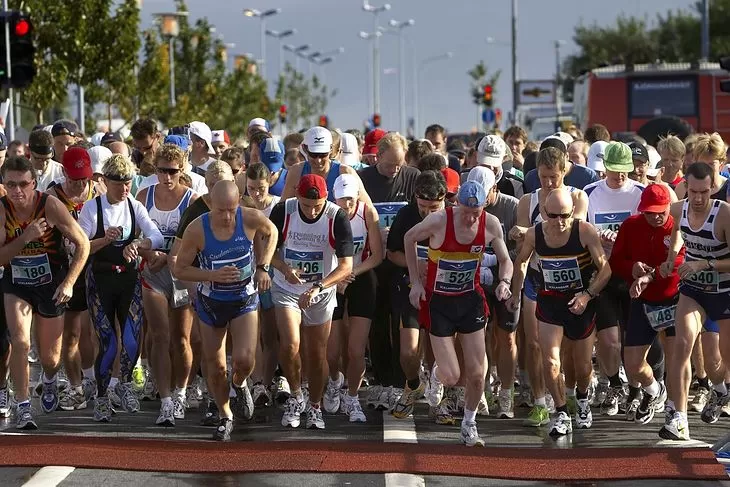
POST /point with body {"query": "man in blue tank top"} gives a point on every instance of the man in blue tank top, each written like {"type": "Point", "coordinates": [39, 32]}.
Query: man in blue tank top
{"type": "Point", "coordinates": [230, 274]}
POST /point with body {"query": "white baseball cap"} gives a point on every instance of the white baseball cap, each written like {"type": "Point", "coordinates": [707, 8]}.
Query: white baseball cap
{"type": "Point", "coordinates": [99, 154]}
{"type": "Point", "coordinates": [595, 156]}
{"type": "Point", "coordinates": [259, 122]}
{"type": "Point", "coordinates": [491, 151]}
{"type": "Point", "coordinates": [350, 150]}
{"type": "Point", "coordinates": [482, 175]}
{"type": "Point", "coordinates": [199, 129]}
{"type": "Point", "coordinates": [565, 137]}
{"type": "Point", "coordinates": [318, 140]}
{"type": "Point", "coordinates": [346, 186]}
{"type": "Point", "coordinates": [654, 159]}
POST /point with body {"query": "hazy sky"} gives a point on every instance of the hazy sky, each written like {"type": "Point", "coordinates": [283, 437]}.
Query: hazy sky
{"type": "Point", "coordinates": [459, 26]}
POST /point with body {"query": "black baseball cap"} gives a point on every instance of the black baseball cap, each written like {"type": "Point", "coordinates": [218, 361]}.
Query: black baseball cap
{"type": "Point", "coordinates": [639, 152]}
{"type": "Point", "coordinates": [554, 141]}
{"type": "Point", "coordinates": [64, 127]}
{"type": "Point", "coordinates": [110, 137]}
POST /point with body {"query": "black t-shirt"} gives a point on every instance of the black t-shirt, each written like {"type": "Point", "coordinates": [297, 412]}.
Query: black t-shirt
{"type": "Point", "coordinates": [382, 189]}
{"type": "Point", "coordinates": [341, 228]}
{"type": "Point", "coordinates": [199, 207]}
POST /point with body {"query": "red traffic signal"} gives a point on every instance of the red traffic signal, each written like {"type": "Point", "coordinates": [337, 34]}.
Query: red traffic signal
{"type": "Point", "coordinates": [282, 109]}
{"type": "Point", "coordinates": [324, 121]}
{"type": "Point", "coordinates": [487, 92]}
{"type": "Point", "coordinates": [22, 27]}
{"type": "Point", "coordinates": [376, 120]}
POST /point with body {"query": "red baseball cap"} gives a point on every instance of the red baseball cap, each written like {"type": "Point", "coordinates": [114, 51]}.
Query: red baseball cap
{"type": "Point", "coordinates": [654, 199]}
{"type": "Point", "coordinates": [371, 141]}
{"type": "Point", "coordinates": [77, 163]}
{"type": "Point", "coordinates": [312, 186]}
{"type": "Point", "coordinates": [453, 181]}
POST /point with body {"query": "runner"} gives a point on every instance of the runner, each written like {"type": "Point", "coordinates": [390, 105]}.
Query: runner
{"type": "Point", "coordinates": [635, 258]}
{"type": "Point", "coordinates": [356, 295]}
{"type": "Point", "coordinates": [38, 279]}
{"type": "Point", "coordinates": [165, 300]}
{"type": "Point", "coordinates": [113, 223]}
{"type": "Point", "coordinates": [452, 301]}
{"type": "Point", "coordinates": [569, 251]}
{"type": "Point", "coordinates": [224, 241]}
{"type": "Point", "coordinates": [672, 151]}
{"type": "Point", "coordinates": [78, 348]}
{"type": "Point", "coordinates": [315, 253]}
{"type": "Point", "coordinates": [702, 225]}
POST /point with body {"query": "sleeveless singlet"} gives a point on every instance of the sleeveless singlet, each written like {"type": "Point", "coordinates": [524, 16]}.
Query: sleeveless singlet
{"type": "Point", "coordinates": [73, 208]}
{"type": "Point", "coordinates": [702, 244]}
{"type": "Point", "coordinates": [236, 251]}
{"type": "Point", "coordinates": [111, 257]}
{"type": "Point", "coordinates": [536, 217]}
{"type": "Point", "coordinates": [278, 187]}
{"type": "Point", "coordinates": [567, 269]}
{"type": "Point", "coordinates": [39, 260]}
{"type": "Point", "coordinates": [332, 175]}
{"type": "Point", "coordinates": [274, 200]}
{"type": "Point", "coordinates": [168, 220]}
{"type": "Point", "coordinates": [360, 235]}
{"type": "Point", "coordinates": [453, 268]}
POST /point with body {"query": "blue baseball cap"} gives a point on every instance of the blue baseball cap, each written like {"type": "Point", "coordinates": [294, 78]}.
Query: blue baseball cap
{"type": "Point", "coordinates": [472, 194]}
{"type": "Point", "coordinates": [272, 154]}
{"type": "Point", "coordinates": [179, 140]}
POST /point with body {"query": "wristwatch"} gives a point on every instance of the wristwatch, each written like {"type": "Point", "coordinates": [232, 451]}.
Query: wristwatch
{"type": "Point", "coordinates": [506, 281]}
{"type": "Point", "coordinates": [263, 267]}
{"type": "Point", "coordinates": [711, 264]}
{"type": "Point", "coordinates": [318, 285]}
{"type": "Point", "coordinates": [589, 293]}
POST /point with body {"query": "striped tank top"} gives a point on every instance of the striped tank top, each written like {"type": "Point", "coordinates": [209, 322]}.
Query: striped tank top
{"type": "Point", "coordinates": [702, 244]}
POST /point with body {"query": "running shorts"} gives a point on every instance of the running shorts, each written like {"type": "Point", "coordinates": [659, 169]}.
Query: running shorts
{"type": "Point", "coordinates": [40, 298]}
{"type": "Point", "coordinates": [612, 305]}
{"type": "Point", "coordinates": [218, 314]}
{"type": "Point", "coordinates": [716, 306]}
{"type": "Point", "coordinates": [319, 313]}
{"type": "Point", "coordinates": [359, 297]}
{"type": "Point", "coordinates": [163, 283]}
{"type": "Point", "coordinates": [445, 316]}
{"type": "Point", "coordinates": [553, 310]}
{"type": "Point", "coordinates": [639, 329]}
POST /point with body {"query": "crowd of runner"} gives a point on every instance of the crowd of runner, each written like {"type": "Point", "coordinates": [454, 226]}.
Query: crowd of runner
{"type": "Point", "coordinates": [325, 272]}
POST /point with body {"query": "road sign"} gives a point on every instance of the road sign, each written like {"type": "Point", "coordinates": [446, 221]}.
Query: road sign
{"type": "Point", "coordinates": [488, 115]}
{"type": "Point", "coordinates": [536, 92]}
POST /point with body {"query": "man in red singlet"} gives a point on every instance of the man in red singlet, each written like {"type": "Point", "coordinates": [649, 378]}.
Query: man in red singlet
{"type": "Point", "coordinates": [453, 301]}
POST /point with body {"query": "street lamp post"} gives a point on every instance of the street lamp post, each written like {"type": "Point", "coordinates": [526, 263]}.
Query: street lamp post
{"type": "Point", "coordinates": [317, 57]}
{"type": "Point", "coordinates": [249, 12]}
{"type": "Point", "coordinates": [418, 69]}
{"type": "Point", "coordinates": [297, 52]}
{"type": "Point", "coordinates": [376, 50]}
{"type": "Point", "coordinates": [397, 28]}
{"type": "Point", "coordinates": [321, 64]}
{"type": "Point", "coordinates": [170, 28]}
{"type": "Point", "coordinates": [279, 35]}
{"type": "Point", "coordinates": [374, 75]}
{"type": "Point", "coordinates": [558, 85]}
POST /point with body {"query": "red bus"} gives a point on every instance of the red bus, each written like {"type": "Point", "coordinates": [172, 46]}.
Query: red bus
{"type": "Point", "coordinates": [625, 97]}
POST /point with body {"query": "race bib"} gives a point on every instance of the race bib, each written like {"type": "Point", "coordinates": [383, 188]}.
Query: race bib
{"type": "Point", "coordinates": [387, 212]}
{"type": "Point", "coordinates": [168, 240]}
{"type": "Point", "coordinates": [706, 281]}
{"type": "Point", "coordinates": [358, 244]}
{"type": "Point", "coordinates": [660, 317]}
{"type": "Point", "coordinates": [243, 264]}
{"type": "Point", "coordinates": [33, 270]}
{"type": "Point", "coordinates": [561, 273]}
{"type": "Point", "coordinates": [455, 276]}
{"type": "Point", "coordinates": [309, 264]}
{"type": "Point", "coordinates": [611, 221]}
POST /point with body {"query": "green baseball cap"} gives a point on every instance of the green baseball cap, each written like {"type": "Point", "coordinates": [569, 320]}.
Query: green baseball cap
{"type": "Point", "coordinates": [617, 158]}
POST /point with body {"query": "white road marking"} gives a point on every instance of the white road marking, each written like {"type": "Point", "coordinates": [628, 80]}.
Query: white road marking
{"type": "Point", "coordinates": [49, 477]}
{"type": "Point", "coordinates": [682, 444]}
{"type": "Point", "coordinates": [400, 431]}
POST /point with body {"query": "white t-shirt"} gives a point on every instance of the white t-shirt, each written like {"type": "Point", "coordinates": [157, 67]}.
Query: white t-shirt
{"type": "Point", "coordinates": [198, 183]}
{"type": "Point", "coordinates": [53, 172]}
{"type": "Point", "coordinates": [117, 215]}
{"type": "Point", "coordinates": [608, 208]}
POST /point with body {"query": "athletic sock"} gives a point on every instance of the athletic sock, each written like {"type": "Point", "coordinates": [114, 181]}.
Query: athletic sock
{"type": "Point", "coordinates": [653, 389]}
{"type": "Point", "coordinates": [540, 401]}
{"type": "Point", "coordinates": [581, 395]}
{"type": "Point", "coordinates": [469, 416]}
{"type": "Point", "coordinates": [89, 373]}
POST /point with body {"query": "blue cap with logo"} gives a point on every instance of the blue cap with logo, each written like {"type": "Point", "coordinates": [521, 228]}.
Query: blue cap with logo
{"type": "Point", "coordinates": [179, 140]}
{"type": "Point", "coordinates": [472, 194]}
{"type": "Point", "coordinates": [272, 154]}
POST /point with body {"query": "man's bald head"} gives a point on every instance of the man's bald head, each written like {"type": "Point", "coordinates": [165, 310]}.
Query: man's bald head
{"type": "Point", "coordinates": [119, 148]}
{"type": "Point", "coordinates": [559, 201]}
{"type": "Point", "coordinates": [224, 194]}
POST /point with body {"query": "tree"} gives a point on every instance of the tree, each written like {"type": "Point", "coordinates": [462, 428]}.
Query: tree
{"type": "Point", "coordinates": [480, 76]}
{"type": "Point", "coordinates": [306, 99]}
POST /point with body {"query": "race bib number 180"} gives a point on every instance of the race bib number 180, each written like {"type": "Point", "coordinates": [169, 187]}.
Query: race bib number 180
{"type": "Point", "coordinates": [34, 270]}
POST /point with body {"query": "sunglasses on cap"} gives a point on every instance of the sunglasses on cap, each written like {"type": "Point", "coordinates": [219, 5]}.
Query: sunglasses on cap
{"type": "Point", "coordinates": [170, 171]}
{"type": "Point", "coordinates": [564, 216]}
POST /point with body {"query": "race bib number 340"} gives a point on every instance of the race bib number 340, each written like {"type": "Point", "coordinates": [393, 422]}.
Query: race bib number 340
{"type": "Point", "coordinates": [34, 270]}
{"type": "Point", "coordinates": [706, 281]}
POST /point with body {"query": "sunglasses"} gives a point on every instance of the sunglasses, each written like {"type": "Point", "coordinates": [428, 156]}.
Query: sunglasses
{"type": "Point", "coordinates": [14, 185]}
{"type": "Point", "coordinates": [430, 197]}
{"type": "Point", "coordinates": [170, 171]}
{"type": "Point", "coordinates": [563, 216]}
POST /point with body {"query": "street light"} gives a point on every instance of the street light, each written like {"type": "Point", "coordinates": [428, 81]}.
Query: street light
{"type": "Point", "coordinates": [321, 64]}
{"type": "Point", "coordinates": [558, 86]}
{"type": "Point", "coordinates": [416, 76]}
{"type": "Point", "coordinates": [376, 50]}
{"type": "Point", "coordinates": [279, 35]}
{"type": "Point", "coordinates": [170, 28]}
{"type": "Point", "coordinates": [318, 55]}
{"type": "Point", "coordinates": [397, 29]}
{"type": "Point", "coordinates": [249, 12]}
{"type": "Point", "coordinates": [297, 51]}
{"type": "Point", "coordinates": [374, 74]}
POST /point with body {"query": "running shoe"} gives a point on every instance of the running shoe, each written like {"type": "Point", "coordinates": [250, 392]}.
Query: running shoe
{"type": "Point", "coordinates": [601, 391]}
{"type": "Point", "coordinates": [713, 409]}
{"type": "Point", "coordinates": [394, 396]}
{"type": "Point", "coordinates": [675, 428]}
{"type": "Point", "coordinates": [572, 403]}
{"type": "Point", "coordinates": [139, 379]}
{"type": "Point", "coordinates": [208, 412]}
{"type": "Point", "coordinates": [583, 416]}
{"type": "Point", "coordinates": [470, 435]}
{"type": "Point", "coordinates": [633, 403]}
{"type": "Point", "coordinates": [194, 392]}
{"type": "Point", "coordinates": [49, 397]}
{"type": "Point", "coordinates": [524, 397]}
{"type": "Point", "coordinates": [702, 397]}
{"type": "Point", "coordinates": [435, 389]}
{"type": "Point", "coordinates": [242, 403]}
{"type": "Point", "coordinates": [561, 425]}
{"type": "Point", "coordinates": [223, 431]}
{"type": "Point", "coordinates": [315, 419]}
{"type": "Point", "coordinates": [442, 414]}
{"type": "Point", "coordinates": [539, 416]}
{"type": "Point", "coordinates": [407, 401]}
{"type": "Point", "coordinates": [293, 410]}
{"type": "Point", "coordinates": [483, 406]}
{"type": "Point", "coordinates": [32, 354]}
{"type": "Point", "coordinates": [24, 417]}
{"type": "Point", "coordinates": [167, 414]}
{"type": "Point", "coordinates": [374, 393]}
{"type": "Point", "coordinates": [282, 391]}
{"type": "Point", "coordinates": [149, 393]}
{"type": "Point", "coordinates": [72, 400]}
{"type": "Point", "coordinates": [261, 395]}
{"type": "Point", "coordinates": [505, 404]}
{"type": "Point", "coordinates": [102, 410]}
{"type": "Point", "coordinates": [4, 401]}
{"type": "Point", "coordinates": [116, 401]}
{"type": "Point", "coordinates": [331, 399]}
{"type": "Point", "coordinates": [610, 405]}
{"type": "Point", "coordinates": [383, 402]}
{"type": "Point", "coordinates": [550, 403]}
{"type": "Point", "coordinates": [89, 387]}
{"type": "Point", "coordinates": [178, 407]}
{"type": "Point", "coordinates": [354, 410]}
{"type": "Point", "coordinates": [647, 409]}
{"type": "Point", "coordinates": [130, 403]}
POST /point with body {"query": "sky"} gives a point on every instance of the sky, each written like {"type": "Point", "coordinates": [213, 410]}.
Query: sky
{"type": "Point", "coordinates": [458, 26]}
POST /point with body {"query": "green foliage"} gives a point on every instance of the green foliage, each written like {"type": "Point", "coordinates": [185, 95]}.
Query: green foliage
{"type": "Point", "coordinates": [306, 99]}
{"type": "Point", "coordinates": [480, 76]}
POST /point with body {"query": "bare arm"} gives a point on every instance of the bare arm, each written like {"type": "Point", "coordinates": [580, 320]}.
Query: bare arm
{"type": "Point", "coordinates": [265, 237]}
{"type": "Point", "coordinates": [523, 258]}
{"type": "Point", "coordinates": [522, 222]}
{"type": "Point", "coordinates": [677, 241]}
{"type": "Point", "coordinates": [191, 243]}
{"type": "Point", "coordinates": [724, 220]}
{"type": "Point", "coordinates": [8, 251]}
{"type": "Point", "coordinates": [343, 269]}
{"type": "Point", "coordinates": [580, 205]}
{"type": "Point", "coordinates": [375, 242]}
{"type": "Point", "coordinates": [60, 218]}
{"type": "Point", "coordinates": [422, 231]}
{"type": "Point", "coordinates": [292, 179]}
{"type": "Point", "coordinates": [590, 238]}
{"type": "Point", "coordinates": [500, 249]}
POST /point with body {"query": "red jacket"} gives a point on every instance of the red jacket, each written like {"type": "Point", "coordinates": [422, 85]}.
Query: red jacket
{"type": "Point", "coordinates": [637, 241]}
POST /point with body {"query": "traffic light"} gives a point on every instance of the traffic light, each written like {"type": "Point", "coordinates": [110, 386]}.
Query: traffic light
{"type": "Point", "coordinates": [488, 98]}
{"type": "Point", "coordinates": [725, 84]}
{"type": "Point", "coordinates": [282, 114]}
{"type": "Point", "coordinates": [22, 51]}
{"type": "Point", "coordinates": [324, 121]}
{"type": "Point", "coordinates": [498, 116]}
{"type": "Point", "coordinates": [376, 120]}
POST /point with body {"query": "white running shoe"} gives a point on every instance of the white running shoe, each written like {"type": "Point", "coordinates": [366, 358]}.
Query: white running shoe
{"type": "Point", "coordinates": [293, 410]}
{"type": "Point", "coordinates": [315, 419]}
{"type": "Point", "coordinates": [435, 389]}
{"type": "Point", "coordinates": [583, 416]}
{"type": "Point", "coordinates": [331, 399]}
{"type": "Point", "coordinates": [354, 410]}
{"type": "Point", "coordinates": [470, 435]}
{"type": "Point", "coordinates": [167, 415]}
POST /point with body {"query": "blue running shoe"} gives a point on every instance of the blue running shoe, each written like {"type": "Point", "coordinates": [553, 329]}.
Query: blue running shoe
{"type": "Point", "coordinates": [49, 397]}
